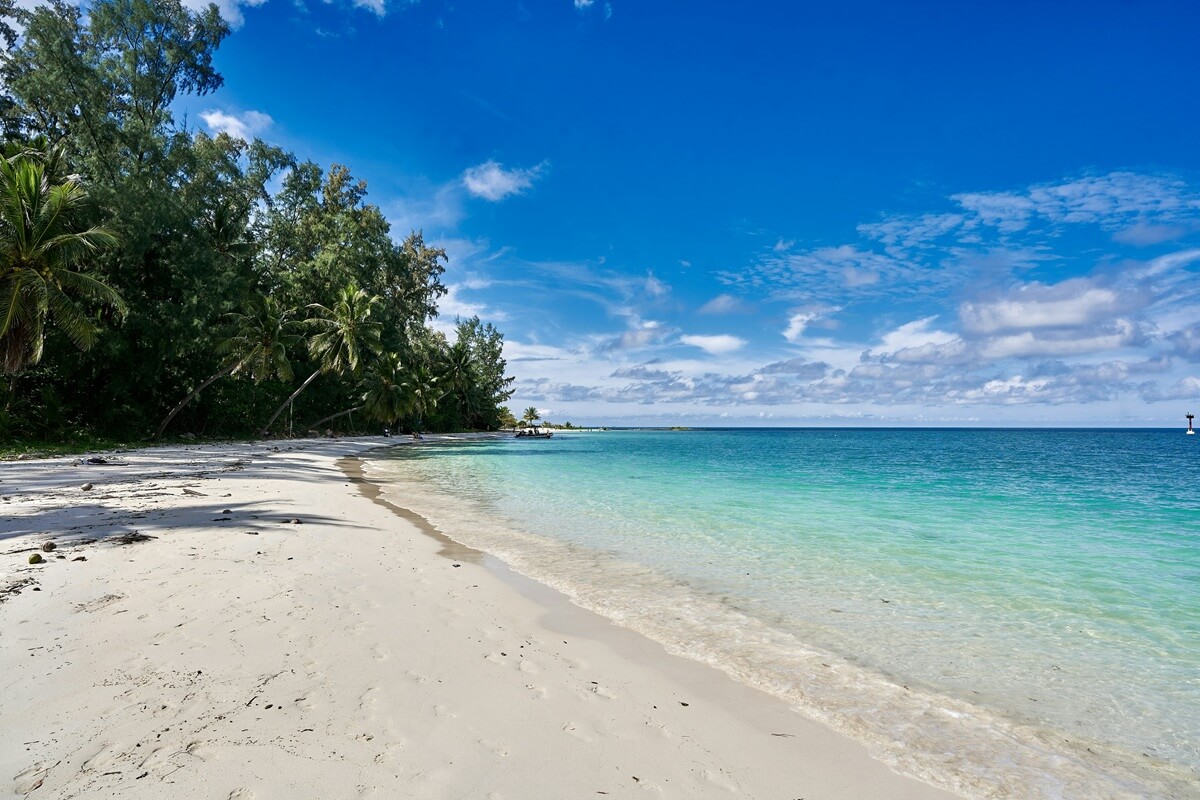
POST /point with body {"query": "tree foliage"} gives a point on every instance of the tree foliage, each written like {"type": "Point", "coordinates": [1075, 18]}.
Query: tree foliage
{"type": "Point", "coordinates": [217, 270]}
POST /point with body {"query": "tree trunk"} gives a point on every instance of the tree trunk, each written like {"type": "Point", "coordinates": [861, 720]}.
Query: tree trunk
{"type": "Point", "coordinates": [192, 396]}
{"type": "Point", "coordinates": [335, 416]}
{"type": "Point", "coordinates": [263, 433]}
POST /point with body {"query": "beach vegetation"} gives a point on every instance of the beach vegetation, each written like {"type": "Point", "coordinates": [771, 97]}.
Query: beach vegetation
{"type": "Point", "coordinates": [46, 241]}
{"type": "Point", "coordinates": [530, 416]}
{"type": "Point", "coordinates": [342, 337]}
{"type": "Point", "coordinates": [190, 278]}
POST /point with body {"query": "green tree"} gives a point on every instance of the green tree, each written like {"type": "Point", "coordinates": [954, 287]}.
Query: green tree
{"type": "Point", "coordinates": [344, 336]}
{"type": "Point", "coordinates": [422, 393]}
{"type": "Point", "coordinates": [459, 380]}
{"type": "Point", "coordinates": [475, 376]}
{"type": "Point", "coordinates": [385, 398]}
{"type": "Point", "coordinates": [531, 415]}
{"type": "Point", "coordinates": [262, 335]}
{"type": "Point", "coordinates": [44, 237]}
{"type": "Point", "coordinates": [198, 230]}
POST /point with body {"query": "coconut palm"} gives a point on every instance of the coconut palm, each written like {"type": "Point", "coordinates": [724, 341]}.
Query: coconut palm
{"type": "Point", "coordinates": [459, 378]}
{"type": "Point", "coordinates": [262, 335]}
{"type": "Point", "coordinates": [385, 396]}
{"type": "Point", "coordinates": [531, 415]}
{"type": "Point", "coordinates": [43, 239]}
{"type": "Point", "coordinates": [345, 335]}
{"type": "Point", "coordinates": [421, 392]}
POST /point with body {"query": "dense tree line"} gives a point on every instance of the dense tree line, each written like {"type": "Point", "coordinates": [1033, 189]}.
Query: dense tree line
{"type": "Point", "coordinates": [155, 278]}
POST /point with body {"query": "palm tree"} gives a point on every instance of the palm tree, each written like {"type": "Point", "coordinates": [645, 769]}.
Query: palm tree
{"type": "Point", "coordinates": [385, 394]}
{"type": "Point", "coordinates": [421, 393]}
{"type": "Point", "coordinates": [531, 416]}
{"type": "Point", "coordinates": [262, 335]}
{"type": "Point", "coordinates": [43, 239]}
{"type": "Point", "coordinates": [345, 334]}
{"type": "Point", "coordinates": [459, 377]}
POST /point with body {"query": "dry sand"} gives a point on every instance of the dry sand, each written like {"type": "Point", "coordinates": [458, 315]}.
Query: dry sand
{"type": "Point", "coordinates": [354, 655]}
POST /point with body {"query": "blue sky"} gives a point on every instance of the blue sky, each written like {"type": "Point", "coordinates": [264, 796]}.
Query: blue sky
{"type": "Point", "coordinates": [774, 213]}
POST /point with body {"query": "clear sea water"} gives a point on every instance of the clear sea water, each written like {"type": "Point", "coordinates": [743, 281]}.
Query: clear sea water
{"type": "Point", "coordinates": [1005, 613]}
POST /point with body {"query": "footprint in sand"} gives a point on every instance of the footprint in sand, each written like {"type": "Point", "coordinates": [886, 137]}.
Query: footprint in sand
{"type": "Point", "coordinates": [99, 602]}
{"type": "Point", "coordinates": [495, 748]}
{"type": "Point", "coordinates": [30, 778]}
{"type": "Point", "coordinates": [444, 712]}
{"type": "Point", "coordinates": [200, 749]}
{"type": "Point", "coordinates": [720, 779]}
{"type": "Point", "coordinates": [571, 729]}
{"type": "Point", "coordinates": [366, 701]}
{"type": "Point", "coordinates": [530, 667]}
{"type": "Point", "coordinates": [391, 752]}
{"type": "Point", "coordinates": [600, 691]}
{"type": "Point", "coordinates": [241, 793]}
{"type": "Point", "coordinates": [104, 757]}
{"type": "Point", "coordinates": [380, 653]}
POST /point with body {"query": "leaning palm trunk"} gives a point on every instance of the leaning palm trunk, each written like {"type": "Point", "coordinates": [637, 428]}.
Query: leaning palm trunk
{"type": "Point", "coordinates": [226, 371]}
{"type": "Point", "coordinates": [262, 434]}
{"type": "Point", "coordinates": [335, 416]}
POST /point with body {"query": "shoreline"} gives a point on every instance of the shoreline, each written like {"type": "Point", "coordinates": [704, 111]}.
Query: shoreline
{"type": "Point", "coordinates": [967, 748]}
{"type": "Point", "coordinates": [240, 655]}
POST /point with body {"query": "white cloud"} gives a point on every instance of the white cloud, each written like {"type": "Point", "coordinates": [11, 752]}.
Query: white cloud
{"type": "Point", "coordinates": [246, 125]}
{"type": "Point", "coordinates": [714, 345]}
{"type": "Point", "coordinates": [826, 274]}
{"type": "Point", "coordinates": [1071, 303]}
{"type": "Point", "coordinates": [583, 4]}
{"type": "Point", "coordinates": [453, 304]}
{"type": "Point", "coordinates": [1185, 389]}
{"type": "Point", "coordinates": [641, 333]}
{"type": "Point", "coordinates": [231, 10]}
{"type": "Point", "coordinates": [655, 287]}
{"type": "Point", "coordinates": [379, 7]}
{"type": "Point", "coordinates": [797, 323]}
{"type": "Point", "coordinates": [1123, 333]}
{"type": "Point", "coordinates": [1008, 212]}
{"type": "Point", "coordinates": [801, 318]}
{"type": "Point", "coordinates": [914, 334]}
{"type": "Point", "coordinates": [491, 181]}
{"type": "Point", "coordinates": [723, 304]}
{"type": "Point", "coordinates": [438, 211]}
{"type": "Point", "coordinates": [912, 231]}
{"type": "Point", "coordinates": [1117, 200]}
{"type": "Point", "coordinates": [1143, 234]}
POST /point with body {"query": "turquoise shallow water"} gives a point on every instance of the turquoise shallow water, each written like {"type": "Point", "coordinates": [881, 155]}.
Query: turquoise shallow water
{"type": "Point", "coordinates": [997, 611]}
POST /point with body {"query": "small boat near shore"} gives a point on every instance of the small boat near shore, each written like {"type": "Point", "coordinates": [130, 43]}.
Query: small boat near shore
{"type": "Point", "coordinates": [533, 433]}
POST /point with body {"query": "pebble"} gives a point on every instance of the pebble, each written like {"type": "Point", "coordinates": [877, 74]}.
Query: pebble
{"type": "Point", "coordinates": [87, 487]}
{"type": "Point", "coordinates": [48, 546]}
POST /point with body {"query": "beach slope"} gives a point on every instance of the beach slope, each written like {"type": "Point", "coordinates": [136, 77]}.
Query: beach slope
{"type": "Point", "coordinates": [285, 633]}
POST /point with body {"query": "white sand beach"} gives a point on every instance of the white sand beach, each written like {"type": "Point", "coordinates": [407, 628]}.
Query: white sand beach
{"type": "Point", "coordinates": [354, 654]}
